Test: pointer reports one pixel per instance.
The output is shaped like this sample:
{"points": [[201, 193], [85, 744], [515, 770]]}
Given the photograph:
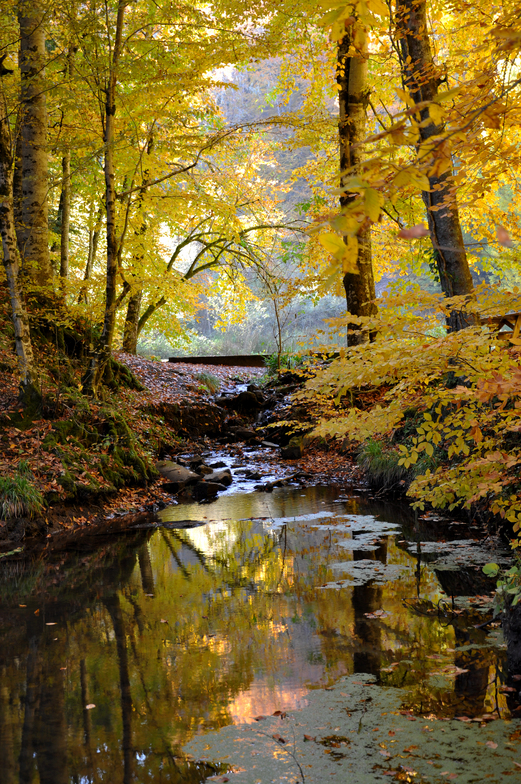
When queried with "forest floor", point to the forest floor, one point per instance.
{"points": [[50, 463]]}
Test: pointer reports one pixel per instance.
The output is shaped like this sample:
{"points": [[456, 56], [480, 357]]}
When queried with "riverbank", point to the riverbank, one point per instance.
{"points": [[78, 461]]}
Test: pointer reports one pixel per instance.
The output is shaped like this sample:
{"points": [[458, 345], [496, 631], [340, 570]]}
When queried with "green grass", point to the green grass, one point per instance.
{"points": [[208, 381], [379, 463], [18, 495]]}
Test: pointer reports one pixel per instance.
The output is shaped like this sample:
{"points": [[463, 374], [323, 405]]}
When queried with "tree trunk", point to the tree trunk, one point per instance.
{"points": [[65, 216], [130, 332], [92, 251], [24, 349], [421, 79], [101, 355], [352, 99], [33, 231]]}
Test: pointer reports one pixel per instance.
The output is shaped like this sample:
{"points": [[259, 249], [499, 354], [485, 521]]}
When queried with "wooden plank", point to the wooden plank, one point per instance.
{"points": [[230, 360]]}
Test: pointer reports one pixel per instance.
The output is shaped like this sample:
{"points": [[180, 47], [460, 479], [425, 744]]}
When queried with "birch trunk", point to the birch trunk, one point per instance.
{"points": [[351, 76], [421, 80], [32, 228], [11, 258]]}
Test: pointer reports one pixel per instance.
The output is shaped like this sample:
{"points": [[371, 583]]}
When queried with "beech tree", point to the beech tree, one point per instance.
{"points": [[422, 78], [11, 259], [352, 102], [32, 209]]}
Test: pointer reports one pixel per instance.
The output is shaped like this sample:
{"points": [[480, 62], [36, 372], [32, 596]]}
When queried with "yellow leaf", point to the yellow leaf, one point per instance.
{"points": [[349, 256], [378, 7], [372, 204], [436, 113], [331, 242], [406, 98]]}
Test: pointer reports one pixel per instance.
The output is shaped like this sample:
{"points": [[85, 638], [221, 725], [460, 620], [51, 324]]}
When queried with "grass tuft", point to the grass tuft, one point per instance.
{"points": [[208, 381], [18, 495]]}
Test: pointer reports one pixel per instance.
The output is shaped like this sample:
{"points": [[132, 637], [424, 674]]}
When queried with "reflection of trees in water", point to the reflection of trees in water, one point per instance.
{"points": [[113, 605], [367, 598], [156, 683]]}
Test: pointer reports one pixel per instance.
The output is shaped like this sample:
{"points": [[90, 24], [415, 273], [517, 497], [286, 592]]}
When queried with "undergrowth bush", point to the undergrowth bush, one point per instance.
{"points": [[383, 467], [455, 396]]}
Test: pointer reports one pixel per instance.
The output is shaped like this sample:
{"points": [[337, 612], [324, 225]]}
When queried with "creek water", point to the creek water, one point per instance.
{"points": [[119, 651]]}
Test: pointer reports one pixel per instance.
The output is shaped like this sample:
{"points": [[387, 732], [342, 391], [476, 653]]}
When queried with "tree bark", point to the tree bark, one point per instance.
{"points": [[351, 76], [33, 230], [101, 355], [11, 258], [131, 329], [421, 79]]}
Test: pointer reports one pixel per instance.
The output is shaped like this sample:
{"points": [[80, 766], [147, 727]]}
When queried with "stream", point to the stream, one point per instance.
{"points": [[145, 656]]}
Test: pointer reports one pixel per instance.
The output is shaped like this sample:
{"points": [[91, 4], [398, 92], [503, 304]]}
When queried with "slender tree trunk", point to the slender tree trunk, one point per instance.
{"points": [[421, 79], [65, 216], [149, 312], [92, 251], [352, 99], [102, 354], [33, 230], [11, 258], [130, 333], [131, 329]]}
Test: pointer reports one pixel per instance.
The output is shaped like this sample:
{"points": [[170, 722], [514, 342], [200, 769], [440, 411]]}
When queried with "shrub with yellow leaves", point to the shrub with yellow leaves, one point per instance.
{"points": [[461, 390]]}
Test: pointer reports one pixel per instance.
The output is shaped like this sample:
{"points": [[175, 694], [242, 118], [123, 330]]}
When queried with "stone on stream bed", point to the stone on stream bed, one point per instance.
{"points": [[223, 477], [205, 484], [177, 476]]}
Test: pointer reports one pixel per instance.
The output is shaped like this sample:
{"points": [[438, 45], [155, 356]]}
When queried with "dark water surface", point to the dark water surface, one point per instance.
{"points": [[116, 654]]}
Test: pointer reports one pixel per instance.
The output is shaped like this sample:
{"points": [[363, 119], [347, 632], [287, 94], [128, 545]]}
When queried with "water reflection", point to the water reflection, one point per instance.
{"points": [[114, 655]]}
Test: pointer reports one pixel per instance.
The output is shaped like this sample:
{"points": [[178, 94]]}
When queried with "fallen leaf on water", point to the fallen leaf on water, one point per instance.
{"points": [[410, 748], [90, 706], [259, 718], [309, 737], [278, 738], [282, 714], [385, 754], [491, 744]]}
